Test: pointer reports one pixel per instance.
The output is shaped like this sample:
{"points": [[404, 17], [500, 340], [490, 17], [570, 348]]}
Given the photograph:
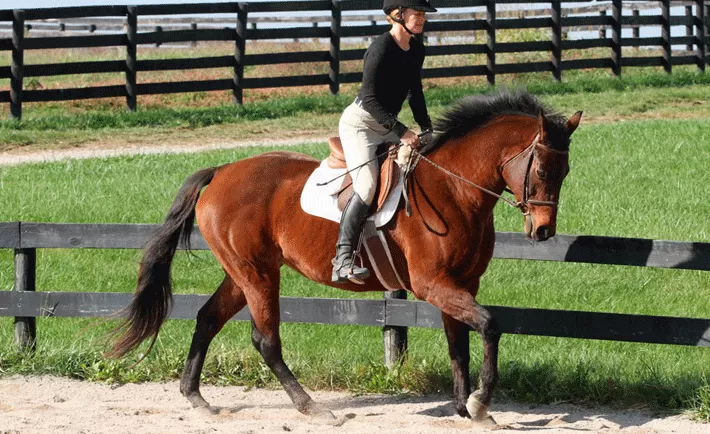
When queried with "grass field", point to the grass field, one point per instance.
{"points": [[636, 178]]}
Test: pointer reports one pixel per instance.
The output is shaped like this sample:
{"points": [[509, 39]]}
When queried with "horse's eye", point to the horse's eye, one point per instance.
{"points": [[541, 174]]}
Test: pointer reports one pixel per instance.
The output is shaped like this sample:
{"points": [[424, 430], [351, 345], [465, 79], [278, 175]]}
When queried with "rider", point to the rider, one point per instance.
{"points": [[392, 72]]}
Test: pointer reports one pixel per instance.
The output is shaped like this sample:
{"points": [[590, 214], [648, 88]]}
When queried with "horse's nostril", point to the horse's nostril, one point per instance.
{"points": [[543, 233]]}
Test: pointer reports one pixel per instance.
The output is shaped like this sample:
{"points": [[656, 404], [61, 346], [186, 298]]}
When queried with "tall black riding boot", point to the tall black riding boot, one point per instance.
{"points": [[354, 216]]}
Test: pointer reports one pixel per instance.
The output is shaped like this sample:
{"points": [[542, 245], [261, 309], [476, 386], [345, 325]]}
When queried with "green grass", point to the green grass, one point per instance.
{"points": [[700, 404], [632, 179]]}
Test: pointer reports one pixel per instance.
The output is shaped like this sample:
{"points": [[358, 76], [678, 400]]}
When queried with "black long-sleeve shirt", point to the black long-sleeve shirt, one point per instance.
{"points": [[389, 75]]}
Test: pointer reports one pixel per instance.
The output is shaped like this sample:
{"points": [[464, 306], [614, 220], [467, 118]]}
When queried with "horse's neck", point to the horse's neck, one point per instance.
{"points": [[478, 156]]}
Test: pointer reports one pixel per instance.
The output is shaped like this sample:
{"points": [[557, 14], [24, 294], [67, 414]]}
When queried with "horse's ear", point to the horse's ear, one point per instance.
{"points": [[573, 122], [541, 126]]}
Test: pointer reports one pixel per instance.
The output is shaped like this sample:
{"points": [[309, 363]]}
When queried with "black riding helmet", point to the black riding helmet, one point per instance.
{"points": [[419, 5]]}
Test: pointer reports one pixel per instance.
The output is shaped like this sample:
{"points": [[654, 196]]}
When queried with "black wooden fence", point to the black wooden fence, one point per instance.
{"points": [[697, 23], [392, 313]]}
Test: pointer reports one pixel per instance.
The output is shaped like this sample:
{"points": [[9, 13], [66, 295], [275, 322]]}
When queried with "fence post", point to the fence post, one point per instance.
{"points": [[557, 40], [602, 29], [193, 27], [131, 61], [616, 7], [689, 26], [158, 36], [491, 42], [700, 33], [395, 337], [18, 61], [666, 35], [636, 30], [239, 48], [25, 280], [334, 71]]}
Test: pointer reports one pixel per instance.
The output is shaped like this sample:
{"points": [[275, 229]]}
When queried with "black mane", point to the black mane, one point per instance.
{"points": [[472, 112]]}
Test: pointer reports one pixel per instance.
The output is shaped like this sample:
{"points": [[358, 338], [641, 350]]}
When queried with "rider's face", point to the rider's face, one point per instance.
{"points": [[414, 20]]}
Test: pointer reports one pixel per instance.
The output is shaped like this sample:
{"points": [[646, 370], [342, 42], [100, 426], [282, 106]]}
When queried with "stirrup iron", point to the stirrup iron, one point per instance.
{"points": [[364, 272]]}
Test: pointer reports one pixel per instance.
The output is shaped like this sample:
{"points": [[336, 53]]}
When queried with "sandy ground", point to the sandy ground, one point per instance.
{"points": [[102, 150], [62, 406]]}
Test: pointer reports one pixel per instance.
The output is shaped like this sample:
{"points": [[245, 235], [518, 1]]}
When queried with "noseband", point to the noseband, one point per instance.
{"points": [[523, 205]]}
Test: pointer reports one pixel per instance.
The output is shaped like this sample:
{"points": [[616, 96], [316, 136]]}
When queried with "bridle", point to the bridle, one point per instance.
{"points": [[526, 186], [523, 205]]}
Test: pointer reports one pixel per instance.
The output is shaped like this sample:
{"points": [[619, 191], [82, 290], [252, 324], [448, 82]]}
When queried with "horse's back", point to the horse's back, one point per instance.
{"points": [[244, 195], [255, 178]]}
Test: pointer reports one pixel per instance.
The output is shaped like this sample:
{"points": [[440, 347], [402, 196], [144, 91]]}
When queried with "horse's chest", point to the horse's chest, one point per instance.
{"points": [[468, 252]]}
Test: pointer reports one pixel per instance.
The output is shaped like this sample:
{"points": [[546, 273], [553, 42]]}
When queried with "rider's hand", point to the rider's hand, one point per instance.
{"points": [[426, 138], [410, 138]]}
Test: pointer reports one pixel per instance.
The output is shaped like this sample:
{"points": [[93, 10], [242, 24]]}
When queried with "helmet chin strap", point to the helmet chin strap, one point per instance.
{"points": [[400, 20]]}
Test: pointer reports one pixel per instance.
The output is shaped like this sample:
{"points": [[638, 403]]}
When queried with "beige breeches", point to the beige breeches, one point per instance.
{"points": [[361, 135]]}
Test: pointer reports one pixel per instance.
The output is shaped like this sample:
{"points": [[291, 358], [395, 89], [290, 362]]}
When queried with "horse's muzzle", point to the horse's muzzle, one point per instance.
{"points": [[540, 233]]}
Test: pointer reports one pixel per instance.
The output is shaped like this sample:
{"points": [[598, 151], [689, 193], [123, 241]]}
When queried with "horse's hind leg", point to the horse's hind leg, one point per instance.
{"points": [[223, 305], [264, 303]]}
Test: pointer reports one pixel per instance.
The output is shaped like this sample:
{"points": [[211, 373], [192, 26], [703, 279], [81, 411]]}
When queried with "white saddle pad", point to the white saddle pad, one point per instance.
{"points": [[321, 201]]}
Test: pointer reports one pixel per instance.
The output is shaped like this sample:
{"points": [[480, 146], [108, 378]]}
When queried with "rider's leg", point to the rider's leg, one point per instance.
{"points": [[360, 135], [359, 147]]}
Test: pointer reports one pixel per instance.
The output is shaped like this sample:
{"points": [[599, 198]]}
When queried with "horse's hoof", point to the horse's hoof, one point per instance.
{"points": [[479, 412], [321, 414], [197, 400], [205, 411]]}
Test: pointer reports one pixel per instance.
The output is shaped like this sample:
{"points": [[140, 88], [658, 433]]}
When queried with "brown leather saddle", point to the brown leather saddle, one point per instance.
{"points": [[389, 174]]}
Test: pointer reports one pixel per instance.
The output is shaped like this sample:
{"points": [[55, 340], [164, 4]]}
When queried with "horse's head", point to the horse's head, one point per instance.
{"points": [[535, 175]]}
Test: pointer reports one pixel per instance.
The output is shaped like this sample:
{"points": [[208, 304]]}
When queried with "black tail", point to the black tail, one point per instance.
{"points": [[153, 299]]}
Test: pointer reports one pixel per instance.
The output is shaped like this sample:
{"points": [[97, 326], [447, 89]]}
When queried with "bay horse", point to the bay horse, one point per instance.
{"points": [[250, 216]]}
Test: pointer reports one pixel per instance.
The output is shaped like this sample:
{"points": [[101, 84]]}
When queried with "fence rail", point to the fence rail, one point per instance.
{"points": [[391, 313], [696, 21]]}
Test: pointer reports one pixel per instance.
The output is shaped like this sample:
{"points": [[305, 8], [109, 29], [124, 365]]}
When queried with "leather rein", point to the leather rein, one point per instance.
{"points": [[522, 205]]}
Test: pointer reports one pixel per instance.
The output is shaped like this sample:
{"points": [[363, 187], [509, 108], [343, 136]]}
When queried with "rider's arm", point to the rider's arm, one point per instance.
{"points": [[416, 100], [374, 61]]}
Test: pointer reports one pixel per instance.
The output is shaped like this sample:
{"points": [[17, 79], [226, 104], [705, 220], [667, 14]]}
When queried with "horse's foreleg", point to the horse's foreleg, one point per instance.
{"points": [[479, 400], [266, 339], [461, 305], [458, 338], [223, 305]]}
